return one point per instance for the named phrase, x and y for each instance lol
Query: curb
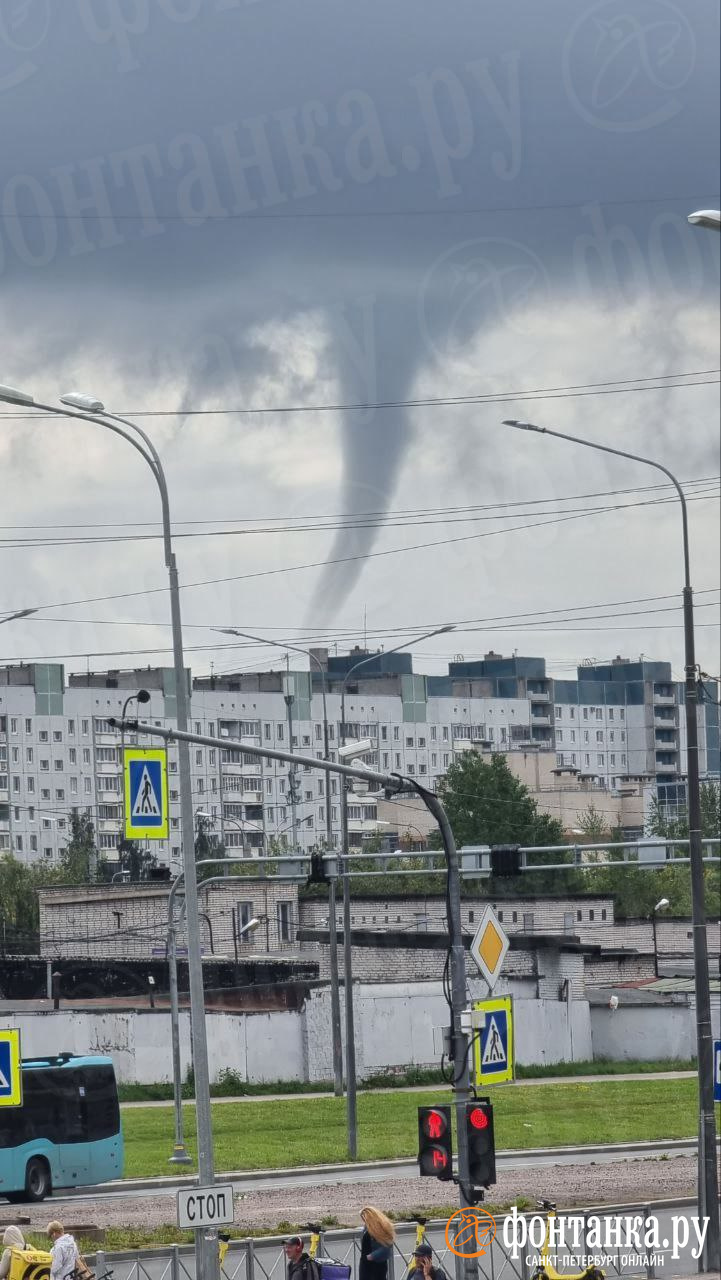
(171, 1182)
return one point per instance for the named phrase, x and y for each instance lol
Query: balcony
(664, 722)
(538, 695)
(664, 699)
(666, 766)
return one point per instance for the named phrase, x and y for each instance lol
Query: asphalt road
(378, 1171)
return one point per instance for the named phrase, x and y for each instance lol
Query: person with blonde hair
(376, 1244)
(63, 1253)
(12, 1239)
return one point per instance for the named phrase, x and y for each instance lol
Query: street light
(707, 1169)
(350, 1072)
(330, 842)
(710, 218)
(660, 906)
(86, 409)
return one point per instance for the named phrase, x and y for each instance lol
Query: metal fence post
(250, 1260)
(174, 1263)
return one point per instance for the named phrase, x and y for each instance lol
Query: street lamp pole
(330, 842)
(350, 1071)
(660, 906)
(708, 1197)
(88, 409)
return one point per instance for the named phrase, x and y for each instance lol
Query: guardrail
(262, 1258)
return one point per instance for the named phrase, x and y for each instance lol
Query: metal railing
(263, 1258)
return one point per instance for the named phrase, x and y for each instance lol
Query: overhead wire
(387, 515)
(658, 382)
(245, 531)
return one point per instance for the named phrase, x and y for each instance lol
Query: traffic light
(481, 1143)
(505, 860)
(435, 1143)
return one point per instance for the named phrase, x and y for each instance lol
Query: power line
(19, 544)
(308, 215)
(317, 564)
(346, 636)
(570, 391)
(387, 515)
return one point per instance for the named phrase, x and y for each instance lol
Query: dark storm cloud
(171, 165)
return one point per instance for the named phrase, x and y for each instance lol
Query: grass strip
(306, 1131)
(232, 1085)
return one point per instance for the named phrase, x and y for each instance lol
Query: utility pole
(466, 1268)
(292, 775)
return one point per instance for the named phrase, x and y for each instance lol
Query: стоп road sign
(11, 1075)
(489, 947)
(146, 793)
(205, 1207)
(493, 1048)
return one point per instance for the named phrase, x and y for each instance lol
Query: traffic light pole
(466, 1268)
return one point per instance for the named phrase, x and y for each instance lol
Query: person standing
(63, 1253)
(300, 1264)
(12, 1239)
(376, 1244)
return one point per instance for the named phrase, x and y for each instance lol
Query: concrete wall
(394, 1029)
(647, 1032)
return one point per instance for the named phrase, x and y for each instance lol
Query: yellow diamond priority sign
(489, 947)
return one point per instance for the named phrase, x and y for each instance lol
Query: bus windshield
(67, 1131)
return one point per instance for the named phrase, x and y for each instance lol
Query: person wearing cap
(424, 1269)
(300, 1264)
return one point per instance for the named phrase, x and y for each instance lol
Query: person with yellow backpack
(13, 1238)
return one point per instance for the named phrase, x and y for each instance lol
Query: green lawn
(266, 1135)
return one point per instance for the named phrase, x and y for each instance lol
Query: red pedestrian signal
(435, 1147)
(481, 1143)
(435, 1124)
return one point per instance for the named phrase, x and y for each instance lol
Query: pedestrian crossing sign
(146, 793)
(11, 1076)
(493, 1047)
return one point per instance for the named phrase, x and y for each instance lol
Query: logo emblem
(470, 1233)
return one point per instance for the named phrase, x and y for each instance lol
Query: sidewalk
(426, 1088)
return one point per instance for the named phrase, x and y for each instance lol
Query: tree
(487, 804)
(593, 824)
(135, 860)
(79, 859)
(19, 908)
(208, 845)
(636, 889)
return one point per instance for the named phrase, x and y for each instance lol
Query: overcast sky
(275, 204)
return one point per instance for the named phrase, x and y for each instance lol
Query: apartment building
(613, 726)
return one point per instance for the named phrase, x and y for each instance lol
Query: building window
(592, 915)
(243, 915)
(284, 922)
(279, 734)
(528, 921)
(603, 914)
(585, 713)
(58, 766)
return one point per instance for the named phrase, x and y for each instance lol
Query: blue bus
(67, 1131)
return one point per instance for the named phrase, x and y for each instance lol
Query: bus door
(70, 1109)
